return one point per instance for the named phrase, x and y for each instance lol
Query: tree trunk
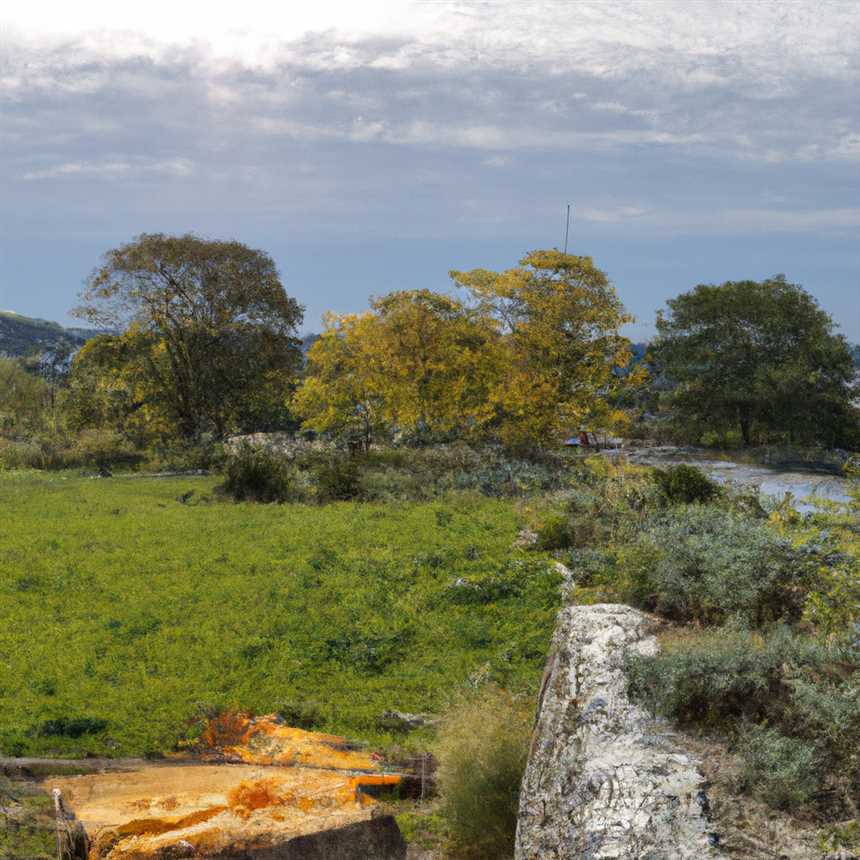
(745, 429)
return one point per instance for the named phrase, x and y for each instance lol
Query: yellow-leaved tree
(559, 319)
(532, 356)
(341, 394)
(417, 363)
(438, 360)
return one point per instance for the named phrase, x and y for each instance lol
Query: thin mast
(567, 228)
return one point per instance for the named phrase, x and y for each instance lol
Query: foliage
(684, 484)
(340, 393)
(137, 602)
(27, 829)
(709, 565)
(531, 357)
(338, 479)
(418, 363)
(438, 361)
(556, 532)
(482, 750)
(24, 400)
(92, 449)
(782, 771)
(559, 317)
(805, 690)
(206, 330)
(254, 474)
(760, 356)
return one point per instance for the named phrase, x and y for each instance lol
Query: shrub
(708, 565)
(686, 485)
(804, 690)
(203, 456)
(338, 479)
(782, 771)
(301, 715)
(101, 449)
(258, 475)
(482, 752)
(71, 727)
(556, 533)
(104, 449)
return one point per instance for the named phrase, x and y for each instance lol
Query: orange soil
(265, 740)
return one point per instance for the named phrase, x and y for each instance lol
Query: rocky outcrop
(604, 779)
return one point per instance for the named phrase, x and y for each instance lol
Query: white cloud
(112, 169)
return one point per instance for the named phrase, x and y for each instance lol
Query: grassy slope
(119, 603)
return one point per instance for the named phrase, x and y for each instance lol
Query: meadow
(132, 608)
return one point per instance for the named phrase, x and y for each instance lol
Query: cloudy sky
(374, 146)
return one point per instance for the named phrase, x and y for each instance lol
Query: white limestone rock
(605, 780)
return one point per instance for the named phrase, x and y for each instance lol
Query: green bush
(94, 449)
(301, 715)
(805, 691)
(783, 772)
(482, 751)
(708, 565)
(404, 473)
(104, 449)
(203, 456)
(257, 475)
(685, 485)
(338, 479)
(556, 533)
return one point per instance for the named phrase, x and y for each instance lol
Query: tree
(210, 321)
(25, 399)
(341, 394)
(115, 383)
(439, 362)
(558, 318)
(761, 356)
(418, 362)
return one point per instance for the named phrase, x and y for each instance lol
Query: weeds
(482, 751)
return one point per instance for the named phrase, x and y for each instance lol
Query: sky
(374, 146)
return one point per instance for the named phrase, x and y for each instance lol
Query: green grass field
(126, 613)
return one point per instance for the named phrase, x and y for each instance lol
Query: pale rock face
(604, 779)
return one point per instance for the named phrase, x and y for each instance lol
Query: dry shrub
(482, 751)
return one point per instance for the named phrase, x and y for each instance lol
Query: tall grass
(482, 749)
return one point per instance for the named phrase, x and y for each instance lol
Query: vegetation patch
(787, 702)
(483, 748)
(142, 614)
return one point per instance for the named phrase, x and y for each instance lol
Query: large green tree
(760, 356)
(208, 323)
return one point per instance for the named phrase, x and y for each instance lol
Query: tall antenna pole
(567, 228)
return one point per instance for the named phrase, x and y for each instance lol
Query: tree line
(202, 341)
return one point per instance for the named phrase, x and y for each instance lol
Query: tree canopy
(559, 318)
(528, 357)
(762, 356)
(205, 330)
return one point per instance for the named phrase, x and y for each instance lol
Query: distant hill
(20, 335)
